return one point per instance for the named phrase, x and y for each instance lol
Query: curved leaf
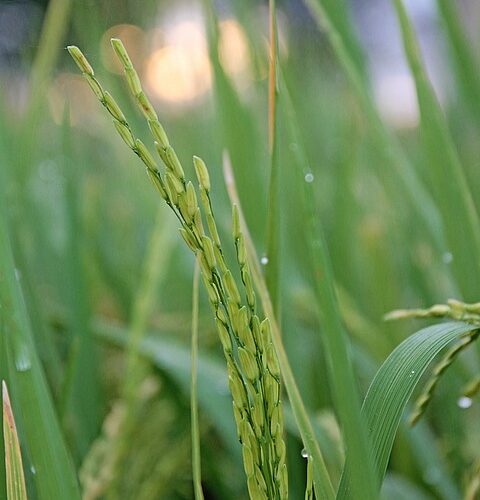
(392, 387)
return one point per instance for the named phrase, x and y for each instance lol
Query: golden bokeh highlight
(180, 71)
(234, 52)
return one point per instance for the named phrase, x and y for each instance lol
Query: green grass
(356, 219)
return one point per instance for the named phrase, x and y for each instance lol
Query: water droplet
(33, 470)
(22, 362)
(464, 402)
(412, 372)
(264, 260)
(447, 257)
(309, 177)
(304, 453)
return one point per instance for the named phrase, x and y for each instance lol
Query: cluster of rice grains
(253, 370)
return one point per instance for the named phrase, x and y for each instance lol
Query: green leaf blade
(451, 190)
(393, 385)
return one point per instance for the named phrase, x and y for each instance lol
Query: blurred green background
(98, 256)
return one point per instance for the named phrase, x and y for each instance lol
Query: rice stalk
(253, 370)
(272, 266)
(196, 459)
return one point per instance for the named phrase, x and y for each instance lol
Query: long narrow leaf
(272, 267)
(342, 377)
(54, 473)
(401, 180)
(196, 458)
(463, 59)
(452, 193)
(392, 387)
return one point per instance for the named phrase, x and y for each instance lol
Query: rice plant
(254, 356)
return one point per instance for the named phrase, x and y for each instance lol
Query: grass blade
(392, 387)
(55, 476)
(401, 180)
(342, 377)
(196, 459)
(468, 76)
(272, 267)
(338, 11)
(16, 489)
(82, 394)
(449, 184)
